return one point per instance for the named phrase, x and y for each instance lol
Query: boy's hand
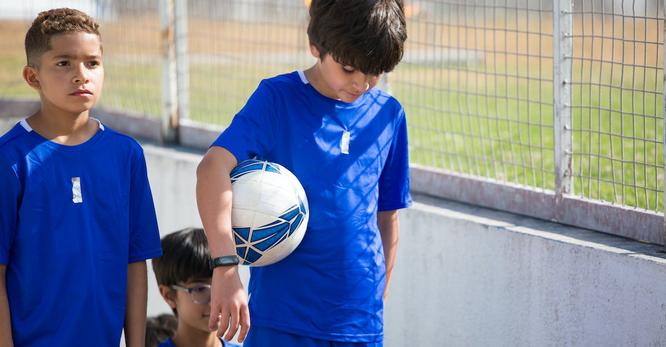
(228, 305)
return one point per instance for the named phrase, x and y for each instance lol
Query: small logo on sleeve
(77, 198)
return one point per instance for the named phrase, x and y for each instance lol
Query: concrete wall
(468, 276)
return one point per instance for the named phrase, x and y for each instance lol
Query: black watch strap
(225, 260)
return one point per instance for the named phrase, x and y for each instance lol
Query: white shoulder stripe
(101, 126)
(301, 74)
(25, 125)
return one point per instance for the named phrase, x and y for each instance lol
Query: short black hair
(185, 257)
(368, 35)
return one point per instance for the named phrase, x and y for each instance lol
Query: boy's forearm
(228, 306)
(137, 296)
(214, 200)
(5, 321)
(387, 222)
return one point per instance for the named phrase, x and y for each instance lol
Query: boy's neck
(187, 336)
(63, 127)
(313, 75)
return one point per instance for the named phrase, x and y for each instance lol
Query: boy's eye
(62, 63)
(348, 69)
(199, 289)
(93, 63)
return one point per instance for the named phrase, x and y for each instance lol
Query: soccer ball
(269, 212)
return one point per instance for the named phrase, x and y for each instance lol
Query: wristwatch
(225, 260)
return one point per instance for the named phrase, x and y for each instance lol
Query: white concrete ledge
(468, 276)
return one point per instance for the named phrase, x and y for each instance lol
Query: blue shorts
(262, 337)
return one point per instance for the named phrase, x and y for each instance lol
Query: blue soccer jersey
(71, 219)
(352, 160)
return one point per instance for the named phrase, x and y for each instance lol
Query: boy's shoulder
(383, 97)
(14, 143)
(117, 138)
(12, 136)
(285, 80)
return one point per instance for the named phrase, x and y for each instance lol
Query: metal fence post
(169, 76)
(182, 61)
(663, 137)
(562, 62)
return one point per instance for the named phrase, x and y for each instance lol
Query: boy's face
(192, 301)
(70, 75)
(341, 82)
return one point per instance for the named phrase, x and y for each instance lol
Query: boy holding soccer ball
(346, 142)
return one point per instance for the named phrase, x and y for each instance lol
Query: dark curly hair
(54, 22)
(368, 35)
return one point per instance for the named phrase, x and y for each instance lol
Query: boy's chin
(349, 99)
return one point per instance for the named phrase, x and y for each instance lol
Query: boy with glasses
(184, 273)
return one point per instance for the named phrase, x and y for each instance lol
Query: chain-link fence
(528, 103)
(617, 107)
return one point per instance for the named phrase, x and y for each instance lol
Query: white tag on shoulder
(77, 197)
(344, 142)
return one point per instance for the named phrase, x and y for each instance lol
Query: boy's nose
(361, 84)
(80, 77)
(363, 81)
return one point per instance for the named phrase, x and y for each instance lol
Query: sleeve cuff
(394, 205)
(145, 255)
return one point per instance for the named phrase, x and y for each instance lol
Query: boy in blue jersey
(183, 274)
(346, 141)
(77, 220)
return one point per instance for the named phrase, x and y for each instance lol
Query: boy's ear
(31, 76)
(314, 51)
(167, 295)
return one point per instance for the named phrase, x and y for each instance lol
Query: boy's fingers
(214, 317)
(244, 324)
(233, 326)
(224, 323)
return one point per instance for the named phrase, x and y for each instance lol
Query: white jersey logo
(77, 198)
(344, 142)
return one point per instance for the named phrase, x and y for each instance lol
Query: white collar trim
(28, 128)
(301, 74)
(25, 125)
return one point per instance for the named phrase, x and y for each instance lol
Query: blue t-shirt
(169, 343)
(352, 160)
(71, 219)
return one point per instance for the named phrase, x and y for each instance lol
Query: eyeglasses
(199, 293)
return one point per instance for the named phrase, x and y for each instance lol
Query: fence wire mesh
(234, 44)
(131, 38)
(476, 80)
(477, 85)
(617, 103)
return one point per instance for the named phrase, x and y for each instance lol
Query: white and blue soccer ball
(269, 212)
